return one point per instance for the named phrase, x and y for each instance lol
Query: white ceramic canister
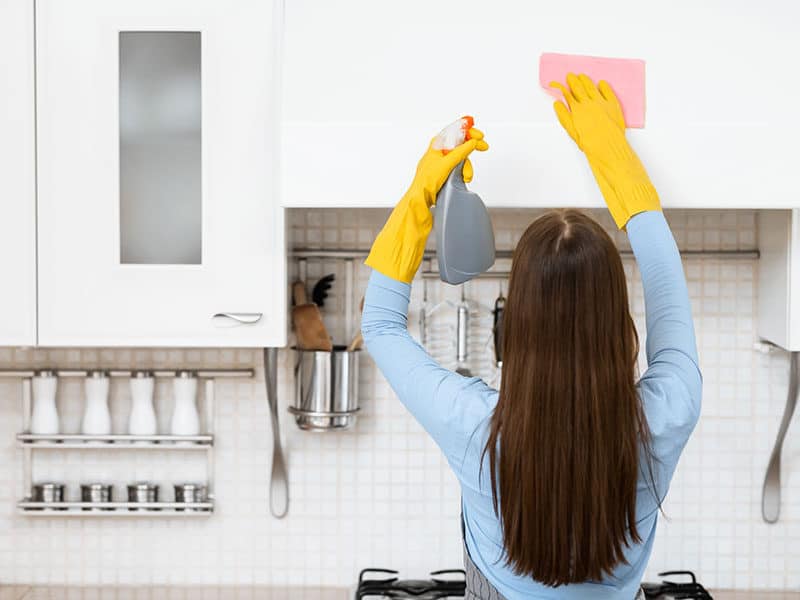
(44, 413)
(185, 418)
(142, 420)
(96, 416)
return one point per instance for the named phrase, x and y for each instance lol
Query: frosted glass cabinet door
(158, 223)
(17, 176)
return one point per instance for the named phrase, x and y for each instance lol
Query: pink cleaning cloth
(626, 76)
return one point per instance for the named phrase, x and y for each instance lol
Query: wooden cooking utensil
(358, 340)
(307, 320)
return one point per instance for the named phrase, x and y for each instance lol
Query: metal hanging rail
(354, 253)
(351, 254)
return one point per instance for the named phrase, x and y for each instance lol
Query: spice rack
(33, 443)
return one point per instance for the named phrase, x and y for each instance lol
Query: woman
(563, 471)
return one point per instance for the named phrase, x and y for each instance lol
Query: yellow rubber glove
(594, 120)
(397, 251)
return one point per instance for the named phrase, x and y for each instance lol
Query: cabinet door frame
(17, 175)
(87, 298)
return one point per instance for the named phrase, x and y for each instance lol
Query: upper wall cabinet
(367, 84)
(158, 222)
(779, 278)
(17, 176)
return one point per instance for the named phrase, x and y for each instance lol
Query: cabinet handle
(234, 318)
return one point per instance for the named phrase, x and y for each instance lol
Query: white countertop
(22, 592)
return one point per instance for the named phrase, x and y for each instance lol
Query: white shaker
(44, 413)
(142, 420)
(96, 416)
(185, 418)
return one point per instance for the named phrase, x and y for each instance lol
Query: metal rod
(114, 437)
(170, 513)
(30, 505)
(354, 253)
(210, 418)
(27, 417)
(349, 292)
(201, 373)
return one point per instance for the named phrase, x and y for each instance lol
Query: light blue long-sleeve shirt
(456, 410)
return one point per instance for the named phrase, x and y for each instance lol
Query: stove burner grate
(383, 583)
(679, 591)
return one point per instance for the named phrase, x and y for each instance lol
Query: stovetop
(384, 583)
(679, 590)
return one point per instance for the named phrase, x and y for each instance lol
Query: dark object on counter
(320, 291)
(497, 328)
(389, 586)
(672, 589)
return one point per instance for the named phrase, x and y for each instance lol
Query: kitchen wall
(380, 495)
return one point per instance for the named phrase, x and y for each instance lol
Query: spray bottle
(464, 235)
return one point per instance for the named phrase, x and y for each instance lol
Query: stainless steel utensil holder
(326, 389)
(203, 442)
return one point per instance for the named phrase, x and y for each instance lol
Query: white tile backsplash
(381, 495)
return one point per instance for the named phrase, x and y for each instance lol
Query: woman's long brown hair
(565, 439)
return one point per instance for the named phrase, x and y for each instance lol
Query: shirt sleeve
(671, 388)
(442, 401)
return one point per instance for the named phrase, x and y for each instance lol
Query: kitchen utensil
(320, 290)
(185, 417)
(279, 478)
(48, 492)
(190, 493)
(96, 416)
(326, 389)
(462, 320)
(44, 414)
(356, 343)
(307, 320)
(358, 339)
(143, 492)
(771, 492)
(497, 328)
(96, 492)
(142, 420)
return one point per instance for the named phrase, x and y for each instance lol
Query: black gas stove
(451, 583)
(383, 583)
(683, 590)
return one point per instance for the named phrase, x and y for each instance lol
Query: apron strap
(478, 587)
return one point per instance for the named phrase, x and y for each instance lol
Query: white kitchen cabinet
(779, 278)
(157, 146)
(17, 176)
(366, 84)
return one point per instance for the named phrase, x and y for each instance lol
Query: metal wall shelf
(115, 442)
(115, 509)
(33, 443)
(201, 373)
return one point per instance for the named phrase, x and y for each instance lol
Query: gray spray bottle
(464, 234)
